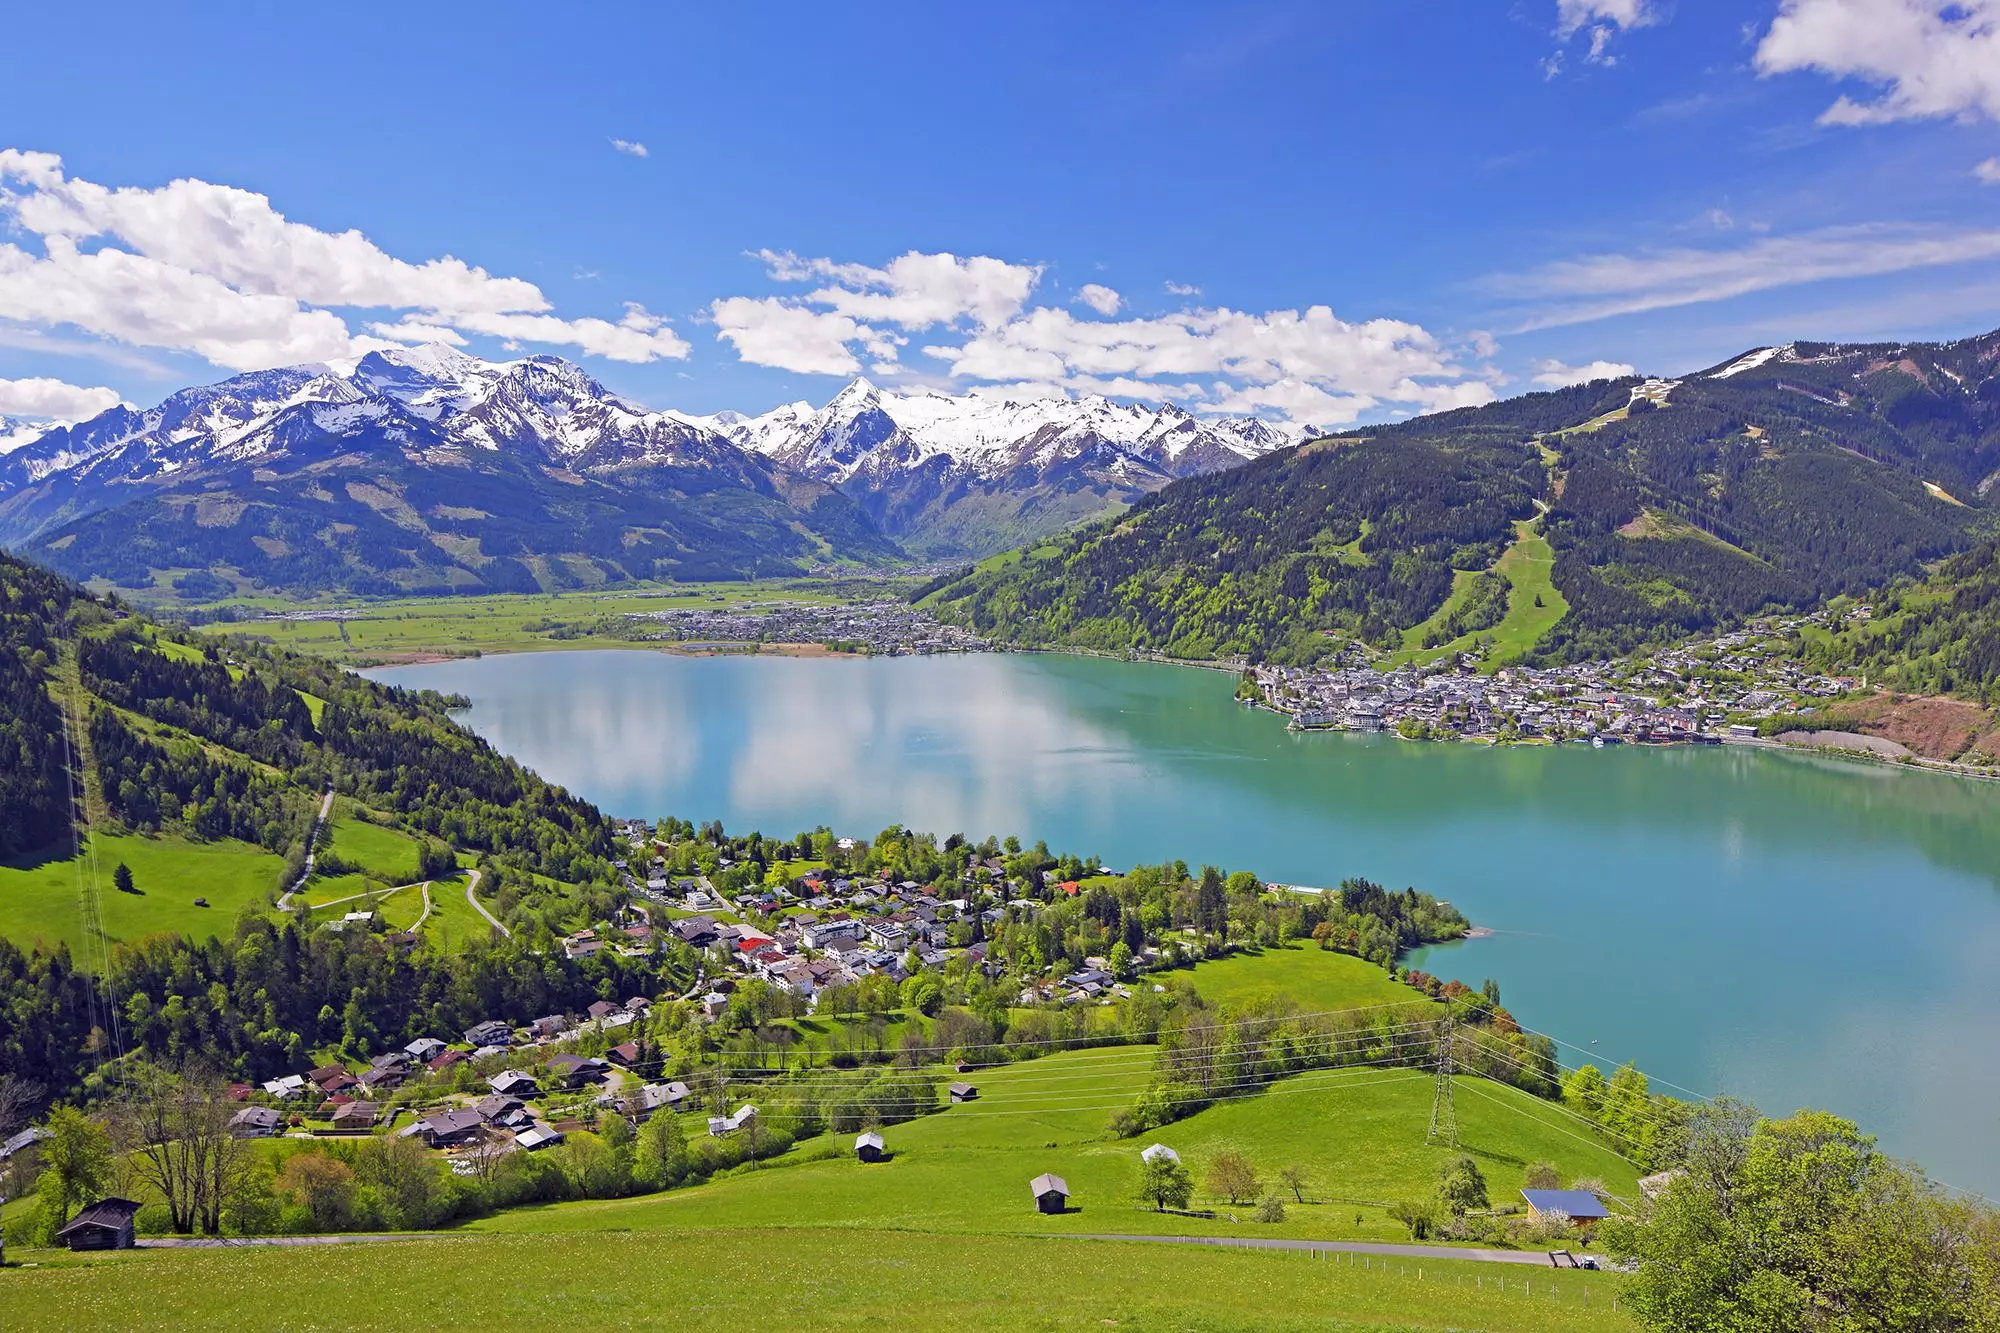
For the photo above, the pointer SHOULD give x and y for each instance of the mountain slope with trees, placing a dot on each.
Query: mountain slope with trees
(1778, 480)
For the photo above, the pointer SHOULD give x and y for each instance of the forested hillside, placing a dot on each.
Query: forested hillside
(1937, 635)
(200, 738)
(1776, 481)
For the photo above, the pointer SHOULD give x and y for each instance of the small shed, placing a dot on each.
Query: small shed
(1579, 1206)
(963, 1092)
(1159, 1151)
(1051, 1193)
(104, 1225)
(868, 1147)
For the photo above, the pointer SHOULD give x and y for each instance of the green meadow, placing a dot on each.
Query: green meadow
(1306, 975)
(795, 1278)
(1358, 1133)
(43, 901)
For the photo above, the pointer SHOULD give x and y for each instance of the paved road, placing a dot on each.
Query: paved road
(312, 851)
(237, 1242)
(1533, 1258)
(472, 884)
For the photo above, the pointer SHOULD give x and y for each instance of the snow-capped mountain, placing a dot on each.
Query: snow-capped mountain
(907, 459)
(866, 431)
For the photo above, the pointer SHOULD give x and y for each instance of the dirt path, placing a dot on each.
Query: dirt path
(312, 851)
(427, 907)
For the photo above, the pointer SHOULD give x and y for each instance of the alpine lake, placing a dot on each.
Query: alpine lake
(1792, 929)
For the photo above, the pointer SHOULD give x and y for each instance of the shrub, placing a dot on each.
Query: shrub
(1272, 1209)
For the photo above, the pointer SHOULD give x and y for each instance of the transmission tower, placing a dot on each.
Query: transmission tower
(1444, 1111)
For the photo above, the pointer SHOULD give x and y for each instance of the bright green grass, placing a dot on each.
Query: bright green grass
(41, 903)
(1309, 976)
(794, 1279)
(452, 921)
(1359, 1133)
(386, 853)
(1527, 565)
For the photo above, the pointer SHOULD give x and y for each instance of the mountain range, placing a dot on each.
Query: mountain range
(425, 469)
(1558, 526)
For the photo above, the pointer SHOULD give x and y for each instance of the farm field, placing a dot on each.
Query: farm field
(855, 1279)
(386, 853)
(401, 629)
(1308, 976)
(452, 920)
(1359, 1133)
(41, 902)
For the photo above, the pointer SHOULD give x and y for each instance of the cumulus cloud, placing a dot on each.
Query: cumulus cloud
(217, 271)
(1555, 375)
(53, 400)
(1182, 289)
(630, 147)
(977, 319)
(1929, 58)
(1598, 21)
(1099, 298)
(1594, 287)
(1988, 172)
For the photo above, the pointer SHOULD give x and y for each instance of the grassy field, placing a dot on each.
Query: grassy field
(1358, 1132)
(1309, 976)
(386, 853)
(41, 902)
(452, 921)
(403, 628)
(1526, 565)
(792, 1279)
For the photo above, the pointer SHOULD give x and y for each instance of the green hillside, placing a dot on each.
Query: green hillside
(1820, 471)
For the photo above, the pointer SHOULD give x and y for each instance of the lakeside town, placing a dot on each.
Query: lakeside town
(879, 628)
(1735, 686)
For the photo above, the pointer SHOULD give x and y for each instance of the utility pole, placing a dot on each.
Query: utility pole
(1444, 1111)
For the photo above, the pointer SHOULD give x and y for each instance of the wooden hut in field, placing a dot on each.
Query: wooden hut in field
(104, 1225)
(1051, 1193)
(868, 1147)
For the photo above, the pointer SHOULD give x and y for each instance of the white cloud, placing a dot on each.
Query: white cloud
(630, 147)
(53, 400)
(1099, 298)
(1556, 375)
(1930, 58)
(1182, 289)
(1988, 172)
(1572, 16)
(915, 290)
(979, 323)
(214, 270)
(1599, 21)
(766, 331)
(1599, 286)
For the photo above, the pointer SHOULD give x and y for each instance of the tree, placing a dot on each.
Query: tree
(77, 1163)
(1164, 1183)
(1232, 1177)
(121, 879)
(1461, 1187)
(1414, 1215)
(1802, 1224)
(924, 993)
(1211, 906)
(1272, 1209)
(323, 1186)
(175, 1127)
(18, 1099)
(1542, 1176)
(1294, 1178)
(1121, 960)
(661, 1160)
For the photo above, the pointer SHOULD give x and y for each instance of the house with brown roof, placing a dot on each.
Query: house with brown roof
(355, 1117)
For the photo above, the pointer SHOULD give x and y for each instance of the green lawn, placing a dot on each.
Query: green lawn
(170, 873)
(794, 1279)
(1358, 1132)
(452, 921)
(386, 853)
(1311, 977)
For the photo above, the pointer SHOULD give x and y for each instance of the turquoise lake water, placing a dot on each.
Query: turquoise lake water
(1790, 929)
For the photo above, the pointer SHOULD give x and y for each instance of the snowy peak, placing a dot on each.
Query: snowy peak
(865, 430)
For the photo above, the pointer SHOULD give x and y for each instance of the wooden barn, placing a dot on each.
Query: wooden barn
(104, 1225)
(1051, 1193)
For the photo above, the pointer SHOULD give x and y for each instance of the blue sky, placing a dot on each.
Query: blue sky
(1340, 211)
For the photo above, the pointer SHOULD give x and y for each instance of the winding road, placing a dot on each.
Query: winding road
(312, 852)
(473, 883)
